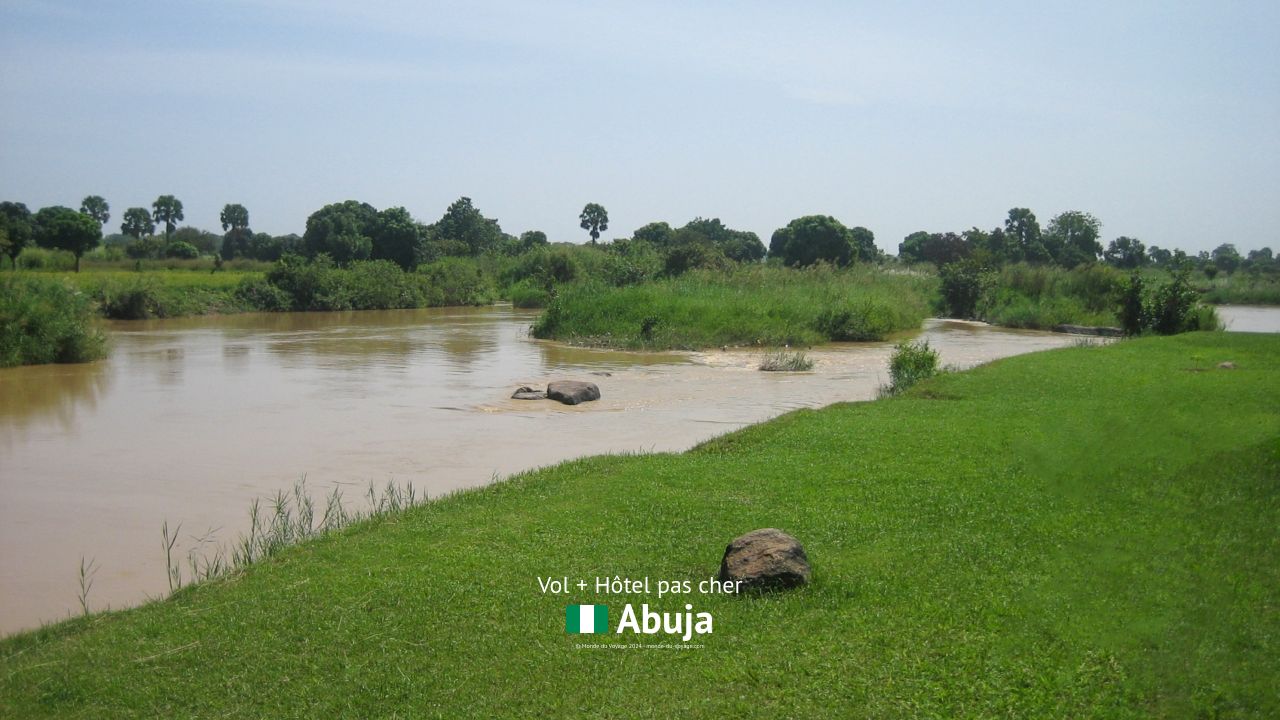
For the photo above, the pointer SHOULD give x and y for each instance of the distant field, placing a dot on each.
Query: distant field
(1088, 532)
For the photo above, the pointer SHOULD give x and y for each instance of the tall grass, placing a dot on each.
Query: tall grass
(283, 520)
(786, 361)
(1243, 289)
(44, 320)
(1041, 296)
(750, 305)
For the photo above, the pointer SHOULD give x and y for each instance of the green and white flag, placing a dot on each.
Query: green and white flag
(586, 619)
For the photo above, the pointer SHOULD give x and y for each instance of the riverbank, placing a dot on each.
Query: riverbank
(1116, 561)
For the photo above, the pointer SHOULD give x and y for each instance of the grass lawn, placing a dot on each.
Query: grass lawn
(1089, 532)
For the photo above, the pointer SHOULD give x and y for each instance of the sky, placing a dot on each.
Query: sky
(1160, 118)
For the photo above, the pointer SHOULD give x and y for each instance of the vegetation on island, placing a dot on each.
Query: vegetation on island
(980, 548)
(700, 284)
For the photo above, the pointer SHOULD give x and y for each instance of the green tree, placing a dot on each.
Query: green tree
(657, 234)
(737, 245)
(1023, 240)
(937, 248)
(138, 223)
(594, 219)
(864, 244)
(531, 239)
(1072, 238)
(235, 223)
(812, 238)
(464, 223)
(65, 229)
(97, 208)
(167, 209)
(1227, 258)
(397, 237)
(16, 231)
(1125, 252)
(341, 231)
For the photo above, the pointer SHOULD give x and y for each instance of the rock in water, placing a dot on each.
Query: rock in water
(528, 393)
(572, 392)
(765, 559)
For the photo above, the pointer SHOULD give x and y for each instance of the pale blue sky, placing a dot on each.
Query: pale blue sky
(1161, 118)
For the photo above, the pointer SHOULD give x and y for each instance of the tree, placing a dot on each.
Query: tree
(341, 231)
(1227, 258)
(97, 208)
(1072, 238)
(1125, 252)
(464, 223)
(531, 239)
(657, 234)
(235, 223)
(864, 244)
(1159, 256)
(65, 229)
(396, 237)
(137, 223)
(16, 231)
(809, 239)
(167, 209)
(1023, 241)
(937, 248)
(736, 245)
(595, 220)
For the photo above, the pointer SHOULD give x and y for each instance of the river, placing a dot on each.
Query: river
(188, 420)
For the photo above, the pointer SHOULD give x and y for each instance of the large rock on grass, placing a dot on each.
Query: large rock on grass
(572, 392)
(765, 559)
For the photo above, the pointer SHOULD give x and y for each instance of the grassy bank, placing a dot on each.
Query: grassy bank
(757, 305)
(43, 321)
(1241, 289)
(1010, 541)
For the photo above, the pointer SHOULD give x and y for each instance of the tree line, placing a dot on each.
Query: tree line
(351, 230)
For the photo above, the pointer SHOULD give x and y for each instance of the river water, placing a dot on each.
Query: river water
(189, 420)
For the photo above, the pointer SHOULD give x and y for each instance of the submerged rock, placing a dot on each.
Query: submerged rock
(528, 393)
(765, 559)
(572, 392)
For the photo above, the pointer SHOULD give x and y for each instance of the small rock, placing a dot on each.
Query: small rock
(572, 392)
(528, 393)
(765, 559)
(1228, 365)
(602, 373)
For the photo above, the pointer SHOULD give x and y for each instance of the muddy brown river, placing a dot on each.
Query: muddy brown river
(189, 420)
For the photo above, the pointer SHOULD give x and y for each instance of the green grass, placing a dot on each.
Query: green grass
(786, 361)
(1040, 297)
(1089, 532)
(750, 305)
(162, 293)
(45, 320)
(1241, 289)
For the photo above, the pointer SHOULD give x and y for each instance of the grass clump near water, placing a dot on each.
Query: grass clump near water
(1243, 289)
(749, 305)
(1087, 532)
(910, 363)
(786, 361)
(44, 320)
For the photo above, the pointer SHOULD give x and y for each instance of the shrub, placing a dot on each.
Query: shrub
(46, 321)
(1173, 307)
(1133, 311)
(784, 361)
(256, 293)
(963, 284)
(180, 249)
(135, 298)
(38, 258)
(849, 322)
(911, 363)
(456, 281)
(381, 284)
(529, 294)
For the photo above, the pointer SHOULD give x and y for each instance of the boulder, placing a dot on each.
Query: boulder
(1228, 365)
(572, 392)
(528, 393)
(765, 559)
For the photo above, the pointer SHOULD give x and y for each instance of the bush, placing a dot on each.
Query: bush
(183, 250)
(911, 363)
(456, 281)
(46, 321)
(866, 320)
(529, 294)
(1174, 309)
(135, 298)
(38, 258)
(381, 285)
(259, 294)
(963, 284)
(784, 361)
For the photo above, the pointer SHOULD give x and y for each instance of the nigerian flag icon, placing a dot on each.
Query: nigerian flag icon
(586, 619)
